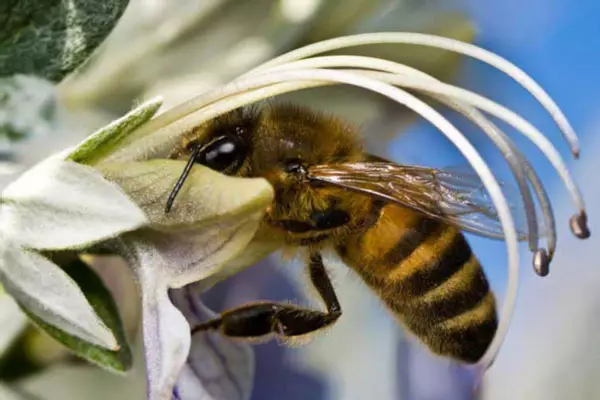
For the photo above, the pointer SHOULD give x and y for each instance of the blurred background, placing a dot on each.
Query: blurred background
(178, 48)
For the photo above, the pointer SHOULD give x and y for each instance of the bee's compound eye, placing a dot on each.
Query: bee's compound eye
(223, 153)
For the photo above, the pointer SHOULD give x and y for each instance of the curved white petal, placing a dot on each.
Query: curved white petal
(170, 260)
(49, 293)
(213, 221)
(217, 368)
(61, 204)
(166, 338)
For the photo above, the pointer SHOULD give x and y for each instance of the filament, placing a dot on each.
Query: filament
(439, 42)
(409, 77)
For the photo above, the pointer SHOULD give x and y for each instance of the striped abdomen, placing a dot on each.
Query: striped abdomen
(426, 273)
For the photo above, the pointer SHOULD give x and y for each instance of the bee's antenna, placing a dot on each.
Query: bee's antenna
(182, 178)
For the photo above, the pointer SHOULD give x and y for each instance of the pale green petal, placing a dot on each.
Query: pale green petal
(206, 197)
(212, 221)
(61, 204)
(48, 292)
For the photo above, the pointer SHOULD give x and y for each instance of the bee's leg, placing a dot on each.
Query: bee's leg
(259, 319)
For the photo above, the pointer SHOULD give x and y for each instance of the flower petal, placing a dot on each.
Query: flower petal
(49, 293)
(217, 368)
(166, 338)
(175, 260)
(207, 227)
(61, 204)
(206, 196)
(103, 304)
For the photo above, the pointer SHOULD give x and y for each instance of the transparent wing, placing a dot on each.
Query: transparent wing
(454, 195)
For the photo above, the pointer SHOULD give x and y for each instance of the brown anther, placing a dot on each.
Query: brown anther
(579, 227)
(541, 262)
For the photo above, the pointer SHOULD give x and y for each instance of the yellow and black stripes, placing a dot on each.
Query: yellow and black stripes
(426, 273)
(414, 236)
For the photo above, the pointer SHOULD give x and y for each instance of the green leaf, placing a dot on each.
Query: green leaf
(103, 141)
(103, 304)
(50, 38)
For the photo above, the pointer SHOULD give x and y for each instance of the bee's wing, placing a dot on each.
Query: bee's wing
(454, 195)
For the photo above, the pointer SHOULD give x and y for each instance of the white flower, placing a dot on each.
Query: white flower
(62, 204)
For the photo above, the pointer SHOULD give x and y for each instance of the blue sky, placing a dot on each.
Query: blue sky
(557, 42)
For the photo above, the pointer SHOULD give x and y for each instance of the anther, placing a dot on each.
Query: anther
(541, 262)
(579, 227)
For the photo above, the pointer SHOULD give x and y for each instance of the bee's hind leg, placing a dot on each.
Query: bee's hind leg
(285, 320)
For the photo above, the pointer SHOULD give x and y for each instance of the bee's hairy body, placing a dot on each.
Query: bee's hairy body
(422, 268)
(426, 274)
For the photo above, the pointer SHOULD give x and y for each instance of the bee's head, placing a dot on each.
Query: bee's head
(280, 143)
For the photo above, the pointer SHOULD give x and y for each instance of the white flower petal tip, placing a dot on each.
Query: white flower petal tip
(46, 291)
(217, 368)
(60, 204)
(296, 70)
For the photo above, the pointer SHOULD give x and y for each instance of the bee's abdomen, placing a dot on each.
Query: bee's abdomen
(426, 273)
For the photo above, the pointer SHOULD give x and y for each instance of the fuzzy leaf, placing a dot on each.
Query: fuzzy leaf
(47, 292)
(50, 38)
(106, 139)
(103, 304)
(60, 204)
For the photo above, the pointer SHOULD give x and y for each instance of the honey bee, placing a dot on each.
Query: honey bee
(398, 226)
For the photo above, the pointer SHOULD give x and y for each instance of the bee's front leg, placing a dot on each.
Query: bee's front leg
(264, 318)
